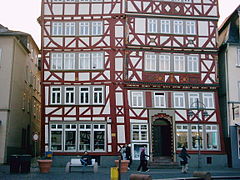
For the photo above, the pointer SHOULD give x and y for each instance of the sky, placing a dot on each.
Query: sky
(21, 15)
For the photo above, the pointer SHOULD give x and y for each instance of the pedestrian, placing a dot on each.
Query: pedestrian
(184, 162)
(123, 152)
(85, 159)
(129, 155)
(143, 161)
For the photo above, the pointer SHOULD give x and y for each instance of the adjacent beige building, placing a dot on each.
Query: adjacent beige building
(19, 93)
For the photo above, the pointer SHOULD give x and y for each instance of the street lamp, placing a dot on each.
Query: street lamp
(191, 113)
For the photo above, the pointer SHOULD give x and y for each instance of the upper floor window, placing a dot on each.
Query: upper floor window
(57, 28)
(179, 100)
(97, 28)
(97, 95)
(84, 28)
(165, 26)
(159, 100)
(150, 62)
(238, 57)
(190, 27)
(91, 60)
(69, 95)
(178, 27)
(192, 63)
(193, 99)
(91, 28)
(152, 25)
(137, 99)
(69, 28)
(97, 61)
(69, 61)
(179, 63)
(164, 63)
(84, 93)
(139, 132)
(208, 100)
(56, 95)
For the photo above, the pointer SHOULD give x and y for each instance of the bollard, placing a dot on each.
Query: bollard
(114, 173)
(140, 177)
(202, 174)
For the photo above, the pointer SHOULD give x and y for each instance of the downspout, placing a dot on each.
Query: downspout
(227, 89)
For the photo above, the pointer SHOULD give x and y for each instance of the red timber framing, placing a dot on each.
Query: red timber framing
(124, 43)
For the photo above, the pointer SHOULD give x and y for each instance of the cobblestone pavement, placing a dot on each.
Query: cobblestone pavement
(58, 173)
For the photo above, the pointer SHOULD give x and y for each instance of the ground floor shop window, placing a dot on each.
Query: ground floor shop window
(193, 135)
(78, 137)
(136, 149)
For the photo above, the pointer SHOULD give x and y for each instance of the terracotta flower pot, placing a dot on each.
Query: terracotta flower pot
(44, 165)
(124, 165)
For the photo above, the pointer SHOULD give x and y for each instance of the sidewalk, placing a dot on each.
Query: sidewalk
(58, 173)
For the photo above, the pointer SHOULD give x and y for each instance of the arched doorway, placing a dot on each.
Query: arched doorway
(161, 138)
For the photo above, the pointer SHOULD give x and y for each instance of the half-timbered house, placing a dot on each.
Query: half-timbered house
(133, 72)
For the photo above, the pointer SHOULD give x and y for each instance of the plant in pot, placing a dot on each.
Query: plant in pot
(45, 164)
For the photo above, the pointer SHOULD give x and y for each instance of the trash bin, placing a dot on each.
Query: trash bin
(114, 173)
(25, 163)
(14, 163)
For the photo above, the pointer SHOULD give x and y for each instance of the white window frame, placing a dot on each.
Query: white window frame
(69, 61)
(193, 64)
(164, 63)
(84, 28)
(85, 129)
(193, 99)
(57, 28)
(150, 62)
(213, 129)
(165, 26)
(98, 94)
(69, 28)
(140, 132)
(196, 131)
(208, 100)
(55, 93)
(179, 99)
(159, 100)
(152, 26)
(99, 129)
(97, 60)
(238, 57)
(138, 97)
(58, 127)
(178, 27)
(179, 128)
(69, 93)
(97, 28)
(179, 63)
(85, 93)
(0, 57)
(67, 130)
(191, 27)
(56, 61)
(136, 154)
(84, 60)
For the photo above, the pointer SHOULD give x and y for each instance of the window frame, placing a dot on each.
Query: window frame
(51, 95)
(57, 28)
(140, 131)
(68, 57)
(178, 95)
(70, 95)
(99, 93)
(193, 63)
(181, 60)
(207, 98)
(56, 129)
(88, 94)
(137, 95)
(164, 100)
(72, 130)
(69, 28)
(165, 26)
(152, 26)
(58, 57)
(150, 62)
(166, 60)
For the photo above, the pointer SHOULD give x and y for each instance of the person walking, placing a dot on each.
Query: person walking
(129, 155)
(184, 162)
(143, 161)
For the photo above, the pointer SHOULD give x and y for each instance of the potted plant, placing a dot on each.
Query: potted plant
(123, 164)
(45, 164)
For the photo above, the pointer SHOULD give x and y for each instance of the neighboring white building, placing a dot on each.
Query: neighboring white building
(19, 92)
(229, 92)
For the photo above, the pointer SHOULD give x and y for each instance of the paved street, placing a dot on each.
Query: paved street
(58, 173)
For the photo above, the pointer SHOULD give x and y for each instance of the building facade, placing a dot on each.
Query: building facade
(229, 92)
(20, 92)
(131, 72)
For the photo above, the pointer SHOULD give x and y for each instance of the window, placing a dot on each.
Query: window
(193, 99)
(139, 132)
(69, 61)
(97, 95)
(179, 63)
(84, 28)
(165, 26)
(56, 61)
(238, 57)
(182, 136)
(179, 100)
(70, 137)
(97, 60)
(137, 147)
(211, 133)
(69, 95)
(150, 62)
(208, 100)
(164, 63)
(55, 95)
(85, 137)
(57, 28)
(84, 61)
(84, 95)
(56, 134)
(97, 28)
(197, 138)
(57, 0)
(70, 28)
(190, 27)
(137, 99)
(99, 137)
(0, 57)
(159, 100)
(152, 26)
(178, 27)
(192, 62)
